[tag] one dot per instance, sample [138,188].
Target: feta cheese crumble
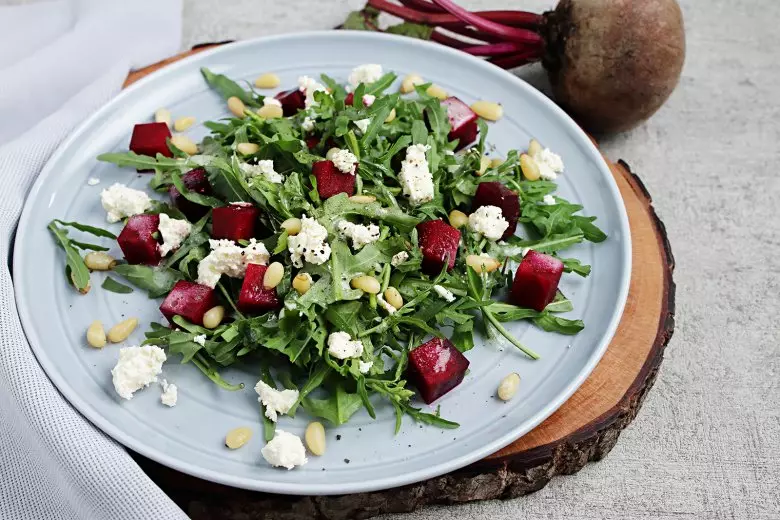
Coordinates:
[341,346]
[444,293]
[285,450]
[365,366]
[366,74]
[345,161]
[270,101]
[119,201]
[137,368]
[170,394]
[173,232]
[230,259]
[307,124]
[362,124]
[383,303]
[415,177]
[549,200]
[310,244]
[550,164]
[263,168]
[399,258]
[369,99]
[276,402]
[93,181]
[200,340]
[489,222]
[309,86]
[359,234]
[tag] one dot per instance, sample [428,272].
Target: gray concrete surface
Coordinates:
[706,444]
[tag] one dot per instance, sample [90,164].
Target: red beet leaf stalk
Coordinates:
[611,64]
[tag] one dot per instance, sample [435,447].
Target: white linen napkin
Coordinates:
[59,61]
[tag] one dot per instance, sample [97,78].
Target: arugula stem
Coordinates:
[497,324]
[212,374]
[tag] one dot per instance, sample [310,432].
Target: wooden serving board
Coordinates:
[584,429]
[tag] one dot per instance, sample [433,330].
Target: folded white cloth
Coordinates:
[59,61]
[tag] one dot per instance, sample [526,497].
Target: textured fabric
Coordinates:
[53,463]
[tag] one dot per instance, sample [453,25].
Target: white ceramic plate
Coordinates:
[368,455]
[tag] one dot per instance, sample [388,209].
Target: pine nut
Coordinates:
[122,330]
[482,264]
[390,117]
[292,226]
[213,317]
[488,110]
[534,148]
[393,297]
[237,437]
[247,148]
[302,283]
[529,167]
[458,219]
[163,115]
[508,386]
[437,92]
[273,275]
[484,164]
[409,82]
[99,261]
[183,123]
[267,80]
[363,199]
[185,144]
[270,112]
[236,106]
[496,162]
[367,284]
[96,335]
[332,152]
[315,438]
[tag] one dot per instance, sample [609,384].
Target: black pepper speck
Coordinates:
[338,437]
[346,461]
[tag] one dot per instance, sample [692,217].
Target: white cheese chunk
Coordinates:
[383,303]
[230,259]
[550,164]
[285,450]
[549,200]
[173,231]
[365,366]
[137,368]
[416,179]
[359,234]
[200,339]
[270,101]
[444,293]
[310,244]
[309,86]
[307,124]
[170,394]
[93,181]
[489,222]
[342,346]
[345,161]
[263,168]
[366,74]
[369,99]
[276,402]
[119,201]
[399,258]
[362,124]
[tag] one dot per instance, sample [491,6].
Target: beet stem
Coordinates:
[510,33]
[510,62]
[422,5]
[449,41]
[444,20]
[495,49]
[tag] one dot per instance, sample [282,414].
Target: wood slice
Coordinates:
[584,429]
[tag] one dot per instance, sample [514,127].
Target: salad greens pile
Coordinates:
[290,345]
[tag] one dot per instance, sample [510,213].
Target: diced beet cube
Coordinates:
[254,298]
[234,222]
[436,367]
[136,240]
[463,122]
[496,194]
[189,300]
[350,99]
[312,141]
[150,139]
[292,101]
[536,281]
[196,180]
[331,180]
[439,244]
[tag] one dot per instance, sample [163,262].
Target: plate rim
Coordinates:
[82,406]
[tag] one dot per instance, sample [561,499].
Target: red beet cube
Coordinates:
[188,300]
[536,281]
[312,141]
[463,122]
[136,240]
[331,180]
[254,298]
[194,180]
[234,222]
[350,99]
[436,367]
[496,194]
[292,101]
[439,244]
[150,139]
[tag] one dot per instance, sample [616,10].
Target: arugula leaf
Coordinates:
[112,285]
[227,88]
[79,274]
[193,196]
[156,281]
[337,408]
[140,162]
[93,230]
